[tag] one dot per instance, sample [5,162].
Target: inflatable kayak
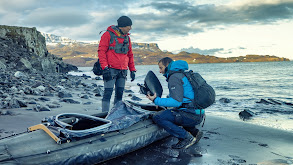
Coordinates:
[84,139]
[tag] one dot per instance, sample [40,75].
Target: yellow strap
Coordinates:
[43,127]
[118,33]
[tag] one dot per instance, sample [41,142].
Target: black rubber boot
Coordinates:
[106,99]
[118,94]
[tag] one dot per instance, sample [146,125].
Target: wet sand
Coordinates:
[225,142]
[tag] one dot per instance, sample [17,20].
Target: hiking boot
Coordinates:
[185,143]
[198,136]
[196,133]
[193,131]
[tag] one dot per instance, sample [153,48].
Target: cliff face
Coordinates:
[25,49]
[29,38]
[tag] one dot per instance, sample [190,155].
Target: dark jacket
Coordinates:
[180,89]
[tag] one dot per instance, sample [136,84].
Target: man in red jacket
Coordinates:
[115,54]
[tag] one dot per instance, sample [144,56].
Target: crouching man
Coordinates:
[180,121]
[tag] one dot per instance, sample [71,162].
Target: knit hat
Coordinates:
[124,21]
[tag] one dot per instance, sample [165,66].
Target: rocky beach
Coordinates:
[35,84]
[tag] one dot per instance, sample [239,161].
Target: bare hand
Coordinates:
[152,98]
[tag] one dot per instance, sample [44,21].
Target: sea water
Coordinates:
[238,86]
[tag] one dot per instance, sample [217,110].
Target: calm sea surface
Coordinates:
[265,88]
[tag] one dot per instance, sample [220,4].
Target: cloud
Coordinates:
[202,51]
[10,18]
[180,18]
[153,20]
[214,14]
[65,17]
[17,5]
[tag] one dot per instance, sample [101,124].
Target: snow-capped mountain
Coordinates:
[54,39]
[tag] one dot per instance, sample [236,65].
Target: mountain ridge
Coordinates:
[85,54]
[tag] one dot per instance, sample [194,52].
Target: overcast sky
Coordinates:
[222,28]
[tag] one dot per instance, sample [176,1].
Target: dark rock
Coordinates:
[37,92]
[44,108]
[263,101]
[44,99]
[48,94]
[274,101]
[263,145]
[87,103]
[225,100]
[21,103]
[28,91]
[32,102]
[77,82]
[128,91]
[94,85]
[135,98]
[279,102]
[36,84]
[71,101]
[12,103]
[98,95]
[290,104]
[64,94]
[98,78]
[246,114]
[53,106]
[99,91]
[85,76]
[39,108]
[85,97]
[5,112]
[84,84]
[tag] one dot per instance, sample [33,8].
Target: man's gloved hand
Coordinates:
[142,89]
[107,74]
[132,75]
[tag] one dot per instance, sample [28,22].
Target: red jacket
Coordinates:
[108,57]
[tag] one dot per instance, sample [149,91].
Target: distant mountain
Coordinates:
[153,47]
[52,39]
[85,54]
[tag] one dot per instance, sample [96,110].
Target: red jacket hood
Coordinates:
[112,27]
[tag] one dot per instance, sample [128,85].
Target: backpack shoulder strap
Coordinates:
[173,72]
[112,36]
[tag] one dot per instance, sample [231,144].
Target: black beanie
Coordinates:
[124,21]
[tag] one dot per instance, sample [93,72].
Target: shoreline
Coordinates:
[225,141]
[30,117]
